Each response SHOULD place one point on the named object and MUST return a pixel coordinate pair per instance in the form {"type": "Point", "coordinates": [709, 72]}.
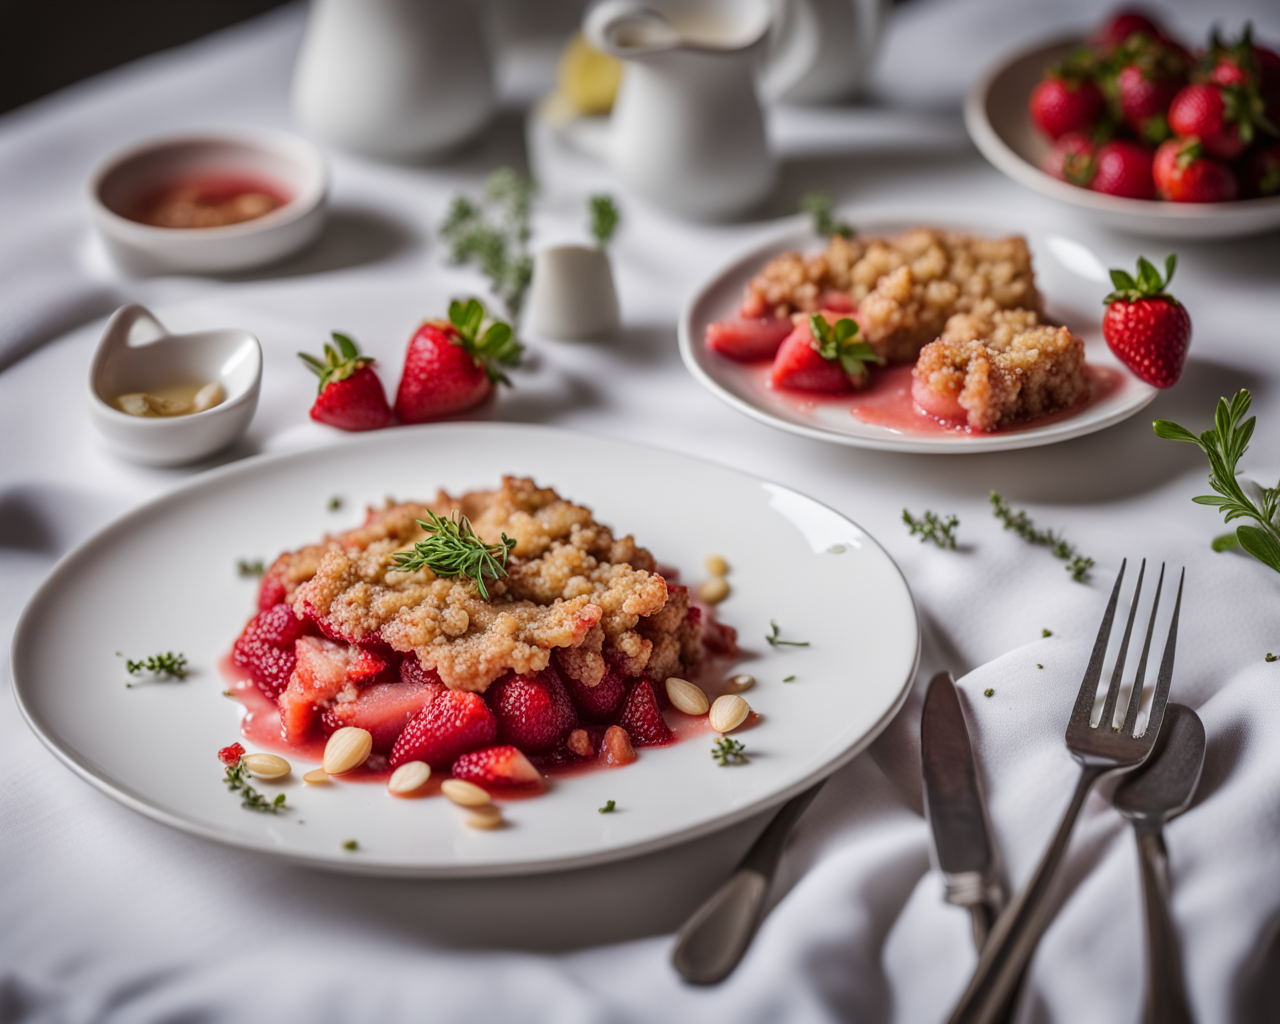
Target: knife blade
{"type": "Point", "coordinates": [953, 802]}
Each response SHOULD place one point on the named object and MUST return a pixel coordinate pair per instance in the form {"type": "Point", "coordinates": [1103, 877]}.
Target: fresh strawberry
{"type": "Point", "coordinates": [533, 710]}
{"type": "Point", "coordinates": [1224, 118]}
{"type": "Point", "coordinates": [748, 340]}
{"type": "Point", "coordinates": [450, 366]}
{"type": "Point", "coordinates": [1245, 65]}
{"type": "Point", "coordinates": [817, 356]}
{"type": "Point", "coordinates": [453, 724]}
{"type": "Point", "coordinates": [498, 768]}
{"type": "Point", "coordinates": [1183, 174]}
{"type": "Point", "coordinates": [1071, 159]}
{"type": "Point", "coordinates": [1146, 327]}
{"type": "Point", "coordinates": [1124, 169]}
{"type": "Point", "coordinates": [1117, 30]}
{"type": "Point", "coordinates": [273, 589]}
{"type": "Point", "coordinates": [615, 748]}
{"type": "Point", "coordinates": [351, 396]}
{"type": "Point", "coordinates": [597, 703]}
{"type": "Point", "coordinates": [266, 648]}
{"type": "Point", "coordinates": [641, 718]}
{"type": "Point", "coordinates": [318, 678]}
{"type": "Point", "coordinates": [231, 755]}
{"type": "Point", "coordinates": [1062, 103]}
{"type": "Point", "coordinates": [1260, 175]}
{"type": "Point", "coordinates": [837, 301]}
{"type": "Point", "coordinates": [384, 709]}
{"type": "Point", "coordinates": [1144, 90]}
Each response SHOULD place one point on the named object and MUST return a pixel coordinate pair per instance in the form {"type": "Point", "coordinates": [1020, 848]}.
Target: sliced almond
{"type": "Point", "coordinates": [464, 793]}
{"type": "Point", "coordinates": [728, 712]}
{"type": "Point", "coordinates": [486, 817]}
{"type": "Point", "coordinates": [716, 565]}
{"type": "Point", "coordinates": [714, 590]}
{"type": "Point", "coordinates": [347, 750]}
{"type": "Point", "coordinates": [315, 776]}
{"type": "Point", "coordinates": [743, 681]}
{"type": "Point", "coordinates": [266, 766]}
{"type": "Point", "coordinates": [686, 696]}
{"type": "Point", "coordinates": [409, 777]}
{"type": "Point", "coordinates": [207, 397]}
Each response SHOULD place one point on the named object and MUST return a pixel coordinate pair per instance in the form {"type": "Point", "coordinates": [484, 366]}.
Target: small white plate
{"type": "Point", "coordinates": [1070, 277]}
{"type": "Point", "coordinates": [164, 578]}
{"type": "Point", "coordinates": [999, 121]}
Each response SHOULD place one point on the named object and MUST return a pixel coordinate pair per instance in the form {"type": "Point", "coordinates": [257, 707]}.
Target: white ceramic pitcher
{"type": "Point", "coordinates": [821, 50]}
{"type": "Point", "coordinates": [687, 131]}
{"type": "Point", "coordinates": [394, 78]}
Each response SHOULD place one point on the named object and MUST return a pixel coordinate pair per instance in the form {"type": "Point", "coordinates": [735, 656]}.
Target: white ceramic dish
{"type": "Point", "coordinates": [1069, 276]}
{"type": "Point", "coordinates": [163, 578]}
{"type": "Point", "coordinates": [137, 354]}
{"type": "Point", "coordinates": [290, 165]}
{"type": "Point", "coordinates": [999, 123]}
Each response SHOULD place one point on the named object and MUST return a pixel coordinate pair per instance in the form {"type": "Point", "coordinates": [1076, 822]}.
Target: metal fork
{"type": "Point", "coordinates": [1099, 749]}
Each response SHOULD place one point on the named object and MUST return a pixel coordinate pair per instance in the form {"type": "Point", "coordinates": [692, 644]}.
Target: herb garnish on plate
{"type": "Point", "coordinates": [1020, 523]}
{"type": "Point", "coordinates": [453, 549]}
{"type": "Point", "coordinates": [932, 526]}
{"type": "Point", "coordinates": [237, 781]}
{"type": "Point", "coordinates": [772, 638]}
{"type": "Point", "coordinates": [165, 665]}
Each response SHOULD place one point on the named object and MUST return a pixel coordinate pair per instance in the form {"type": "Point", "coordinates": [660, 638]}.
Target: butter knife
{"type": "Point", "coordinates": [953, 802]}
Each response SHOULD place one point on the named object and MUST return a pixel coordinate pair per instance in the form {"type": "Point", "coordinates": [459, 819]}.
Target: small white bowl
{"type": "Point", "coordinates": [289, 165]}
{"type": "Point", "coordinates": [572, 294]}
{"type": "Point", "coordinates": [137, 354]}
{"type": "Point", "coordinates": [999, 121]}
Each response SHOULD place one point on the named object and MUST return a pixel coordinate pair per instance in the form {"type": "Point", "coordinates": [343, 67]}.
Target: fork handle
{"type": "Point", "coordinates": [1017, 931]}
{"type": "Point", "coordinates": [1166, 993]}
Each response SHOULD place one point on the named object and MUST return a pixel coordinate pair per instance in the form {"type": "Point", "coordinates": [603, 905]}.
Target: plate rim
{"type": "Point", "coordinates": [82, 767]}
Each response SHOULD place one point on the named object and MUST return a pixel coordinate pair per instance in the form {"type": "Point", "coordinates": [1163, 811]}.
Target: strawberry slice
{"type": "Point", "coordinates": [641, 717]}
{"type": "Point", "coordinates": [533, 711]}
{"type": "Point", "coordinates": [384, 709]}
{"type": "Point", "coordinates": [318, 678]}
{"type": "Point", "coordinates": [266, 648]}
{"type": "Point", "coordinates": [1146, 327]}
{"type": "Point", "coordinates": [455, 723]}
{"type": "Point", "coordinates": [597, 703]}
{"type": "Point", "coordinates": [499, 768]}
{"type": "Point", "coordinates": [832, 360]}
{"type": "Point", "coordinates": [748, 341]}
{"type": "Point", "coordinates": [351, 395]}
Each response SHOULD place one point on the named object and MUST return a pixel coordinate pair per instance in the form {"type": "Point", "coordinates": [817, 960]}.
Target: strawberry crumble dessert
{"type": "Point", "coordinates": [558, 633]}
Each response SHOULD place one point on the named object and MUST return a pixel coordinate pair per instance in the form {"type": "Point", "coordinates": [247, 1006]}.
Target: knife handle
{"type": "Point", "coordinates": [984, 917]}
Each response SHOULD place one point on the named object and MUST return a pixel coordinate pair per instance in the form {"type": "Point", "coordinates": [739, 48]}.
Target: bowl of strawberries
{"type": "Point", "coordinates": [1137, 130]}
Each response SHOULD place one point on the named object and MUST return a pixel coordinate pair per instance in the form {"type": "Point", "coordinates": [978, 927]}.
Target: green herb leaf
{"type": "Point", "coordinates": [604, 219]}
{"type": "Point", "coordinates": [1148, 285]}
{"type": "Point", "coordinates": [837, 344]}
{"type": "Point", "coordinates": [1271, 657]}
{"type": "Point", "coordinates": [727, 751]}
{"type": "Point", "coordinates": [1020, 523]}
{"type": "Point", "coordinates": [988, 692]}
{"type": "Point", "coordinates": [609, 807]}
{"type": "Point", "coordinates": [247, 568]}
{"type": "Point", "coordinates": [334, 504]}
{"type": "Point", "coordinates": [237, 780]}
{"type": "Point", "coordinates": [452, 549]}
{"type": "Point", "coordinates": [167, 665]}
{"type": "Point", "coordinates": [1225, 542]}
{"type": "Point", "coordinates": [494, 233]}
{"type": "Point", "coordinates": [1046, 632]}
{"type": "Point", "coordinates": [350, 845]}
{"type": "Point", "coordinates": [821, 207]}
{"type": "Point", "coordinates": [932, 527]}
{"type": "Point", "coordinates": [772, 638]}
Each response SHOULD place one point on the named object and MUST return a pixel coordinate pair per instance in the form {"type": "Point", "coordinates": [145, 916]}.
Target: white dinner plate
{"type": "Point", "coordinates": [1069, 276]}
{"type": "Point", "coordinates": [997, 115]}
{"type": "Point", "coordinates": [164, 578]}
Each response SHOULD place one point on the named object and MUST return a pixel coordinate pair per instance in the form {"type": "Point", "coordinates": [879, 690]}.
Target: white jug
{"type": "Point", "coordinates": [394, 78]}
{"type": "Point", "coordinates": [821, 50]}
{"type": "Point", "coordinates": [687, 131]}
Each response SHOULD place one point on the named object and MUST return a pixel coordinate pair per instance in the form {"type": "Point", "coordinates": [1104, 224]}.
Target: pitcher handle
{"type": "Point", "coordinates": [627, 28]}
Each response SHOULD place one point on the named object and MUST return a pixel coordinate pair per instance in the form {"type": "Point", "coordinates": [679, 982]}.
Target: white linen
{"type": "Point", "coordinates": [111, 917]}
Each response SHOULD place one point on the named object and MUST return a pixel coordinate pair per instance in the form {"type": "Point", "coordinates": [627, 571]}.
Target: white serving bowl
{"type": "Point", "coordinates": [999, 121]}
{"type": "Point", "coordinates": [290, 165]}
{"type": "Point", "coordinates": [137, 353]}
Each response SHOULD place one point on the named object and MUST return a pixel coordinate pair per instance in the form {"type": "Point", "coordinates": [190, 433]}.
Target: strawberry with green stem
{"type": "Point", "coordinates": [1146, 327]}
{"type": "Point", "coordinates": [351, 395]}
{"type": "Point", "coordinates": [819, 356]}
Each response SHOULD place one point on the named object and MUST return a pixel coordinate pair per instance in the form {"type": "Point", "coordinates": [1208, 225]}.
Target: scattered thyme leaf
{"type": "Point", "coordinates": [604, 219]}
{"type": "Point", "coordinates": [788, 679]}
{"type": "Point", "coordinates": [773, 640]}
{"type": "Point", "coordinates": [1225, 542]}
{"type": "Point", "coordinates": [1020, 523]}
{"type": "Point", "coordinates": [453, 549]}
{"type": "Point", "coordinates": [1224, 445]}
{"type": "Point", "coordinates": [1046, 632]}
{"type": "Point", "coordinates": [1039, 665]}
{"type": "Point", "coordinates": [237, 781]}
{"type": "Point", "coordinates": [821, 207]}
{"type": "Point", "coordinates": [494, 232]}
{"type": "Point", "coordinates": [932, 527]}
{"type": "Point", "coordinates": [609, 807]}
{"type": "Point", "coordinates": [351, 844]}
{"type": "Point", "coordinates": [334, 504]}
{"type": "Point", "coordinates": [247, 568]}
{"type": "Point", "coordinates": [162, 666]}
{"type": "Point", "coordinates": [727, 751]}
{"type": "Point", "coordinates": [1271, 657]}
{"type": "Point", "coordinates": [988, 692]}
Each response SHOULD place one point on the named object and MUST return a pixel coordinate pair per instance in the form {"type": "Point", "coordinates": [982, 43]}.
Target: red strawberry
{"type": "Point", "coordinates": [450, 366]}
{"type": "Point", "coordinates": [597, 703]}
{"type": "Point", "coordinates": [272, 590]}
{"type": "Point", "coordinates": [321, 673]}
{"type": "Point", "coordinates": [384, 709]}
{"type": "Point", "coordinates": [1061, 104]}
{"type": "Point", "coordinates": [819, 357]}
{"type": "Point", "coordinates": [1222, 118]}
{"type": "Point", "coordinates": [453, 724]}
{"type": "Point", "coordinates": [1071, 158]}
{"type": "Point", "coordinates": [499, 768]}
{"type": "Point", "coordinates": [1145, 90]}
{"type": "Point", "coordinates": [1117, 29]}
{"type": "Point", "coordinates": [1124, 169]}
{"type": "Point", "coordinates": [533, 711]}
{"type": "Point", "coordinates": [351, 396]}
{"type": "Point", "coordinates": [266, 648]}
{"type": "Point", "coordinates": [1261, 173]}
{"type": "Point", "coordinates": [641, 718]}
{"type": "Point", "coordinates": [1146, 327]}
{"type": "Point", "coordinates": [748, 340]}
{"type": "Point", "coordinates": [231, 755]}
{"type": "Point", "coordinates": [1183, 175]}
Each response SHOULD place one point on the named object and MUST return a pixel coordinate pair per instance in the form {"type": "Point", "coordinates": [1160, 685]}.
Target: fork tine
{"type": "Point", "coordinates": [1135, 697]}
{"type": "Point", "coordinates": [1163, 681]}
{"type": "Point", "coordinates": [1083, 710]}
{"type": "Point", "coordinates": [1113, 690]}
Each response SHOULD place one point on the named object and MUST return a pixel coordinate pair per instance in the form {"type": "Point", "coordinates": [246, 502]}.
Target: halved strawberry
{"type": "Point", "coordinates": [597, 703]}
{"type": "Point", "coordinates": [350, 396]}
{"type": "Point", "coordinates": [266, 648]}
{"type": "Point", "coordinates": [834, 361]}
{"type": "Point", "coordinates": [641, 718]}
{"type": "Point", "coordinates": [533, 710]}
{"type": "Point", "coordinates": [503, 767]}
{"type": "Point", "coordinates": [384, 709]}
{"type": "Point", "coordinates": [748, 340]}
{"type": "Point", "coordinates": [453, 724]}
{"type": "Point", "coordinates": [321, 673]}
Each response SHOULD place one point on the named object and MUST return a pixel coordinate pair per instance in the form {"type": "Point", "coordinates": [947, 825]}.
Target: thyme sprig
{"type": "Point", "coordinates": [772, 638]}
{"type": "Point", "coordinates": [727, 751]}
{"type": "Point", "coordinates": [821, 207]}
{"type": "Point", "coordinates": [166, 665]}
{"type": "Point", "coordinates": [604, 219]}
{"type": "Point", "coordinates": [247, 568]}
{"type": "Point", "coordinates": [494, 232]}
{"type": "Point", "coordinates": [1020, 523]}
{"type": "Point", "coordinates": [237, 781]}
{"type": "Point", "coordinates": [452, 549]}
{"type": "Point", "coordinates": [1224, 444]}
{"type": "Point", "coordinates": [933, 527]}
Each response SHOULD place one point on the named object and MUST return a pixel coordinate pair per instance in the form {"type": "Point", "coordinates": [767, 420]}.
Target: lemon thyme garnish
{"type": "Point", "coordinates": [246, 568]}
{"type": "Point", "coordinates": [604, 219]}
{"type": "Point", "coordinates": [821, 207]}
{"type": "Point", "coordinates": [250, 799]}
{"type": "Point", "coordinates": [609, 807]}
{"type": "Point", "coordinates": [163, 666]}
{"type": "Point", "coordinates": [933, 527]}
{"type": "Point", "coordinates": [728, 751]}
{"type": "Point", "coordinates": [453, 549]}
{"type": "Point", "coordinates": [1020, 523]}
{"type": "Point", "coordinates": [837, 344]}
{"type": "Point", "coordinates": [773, 640]}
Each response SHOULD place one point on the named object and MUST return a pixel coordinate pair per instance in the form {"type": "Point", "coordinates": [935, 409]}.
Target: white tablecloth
{"type": "Point", "coordinates": [110, 916]}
